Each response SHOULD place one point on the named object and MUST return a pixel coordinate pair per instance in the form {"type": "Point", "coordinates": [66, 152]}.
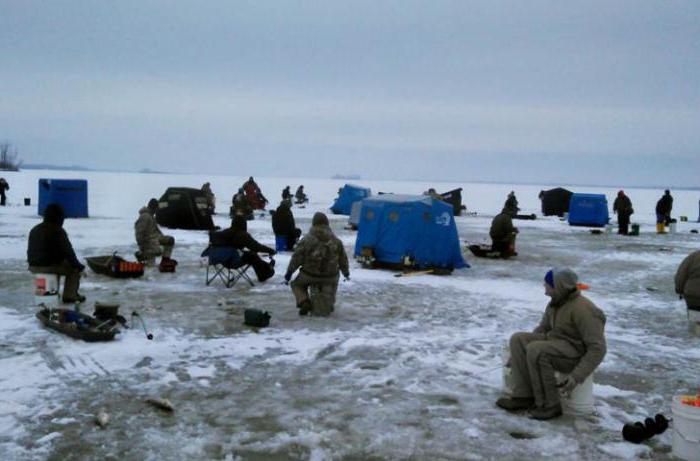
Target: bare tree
{"type": "Point", "coordinates": [8, 157]}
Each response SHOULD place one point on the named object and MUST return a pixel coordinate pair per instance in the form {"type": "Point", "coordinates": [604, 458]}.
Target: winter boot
{"type": "Point", "coordinates": [305, 307]}
{"type": "Point", "coordinates": [544, 413]}
{"type": "Point", "coordinates": [515, 403]}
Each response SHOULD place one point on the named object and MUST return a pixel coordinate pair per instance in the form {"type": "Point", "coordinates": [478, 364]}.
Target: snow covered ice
{"type": "Point", "coordinates": [406, 368]}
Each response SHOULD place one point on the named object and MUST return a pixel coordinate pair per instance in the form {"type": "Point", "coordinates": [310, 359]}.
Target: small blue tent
{"type": "Point", "coordinates": [396, 226]}
{"type": "Point", "coordinates": [348, 195]}
{"type": "Point", "coordinates": [588, 210]}
{"type": "Point", "coordinates": [71, 194]}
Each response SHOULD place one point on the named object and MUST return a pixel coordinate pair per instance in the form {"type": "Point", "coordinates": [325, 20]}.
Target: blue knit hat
{"type": "Point", "coordinates": [549, 278]}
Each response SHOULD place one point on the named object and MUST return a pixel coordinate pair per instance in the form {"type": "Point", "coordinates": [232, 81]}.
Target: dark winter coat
{"type": "Point", "coordinates": [4, 185]}
{"type": "Point", "coordinates": [283, 221]}
{"type": "Point", "coordinates": [237, 236]}
{"type": "Point", "coordinates": [664, 205]}
{"type": "Point", "coordinates": [502, 226]}
{"type": "Point", "coordinates": [49, 246]}
{"type": "Point", "coordinates": [623, 206]}
{"type": "Point", "coordinates": [320, 254]}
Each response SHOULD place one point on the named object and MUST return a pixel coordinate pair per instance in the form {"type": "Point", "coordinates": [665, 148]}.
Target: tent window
{"type": "Point", "coordinates": [426, 216]}
{"type": "Point", "coordinates": [393, 216]}
{"type": "Point", "coordinates": [370, 214]}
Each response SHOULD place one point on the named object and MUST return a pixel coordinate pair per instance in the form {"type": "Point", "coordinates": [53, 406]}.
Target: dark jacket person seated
{"type": "Point", "coordinates": [50, 252]}
{"type": "Point", "coordinates": [283, 224]}
{"type": "Point", "coordinates": [237, 236]}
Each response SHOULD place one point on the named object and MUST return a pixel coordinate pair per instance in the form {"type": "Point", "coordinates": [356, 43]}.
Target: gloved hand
{"type": "Point", "coordinates": [567, 385]}
{"type": "Point", "coordinates": [346, 278]}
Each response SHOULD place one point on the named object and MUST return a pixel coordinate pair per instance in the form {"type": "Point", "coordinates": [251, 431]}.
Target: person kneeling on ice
{"type": "Point", "coordinates": [687, 280]}
{"type": "Point", "coordinates": [320, 257]}
{"type": "Point", "coordinates": [150, 239]}
{"type": "Point", "coordinates": [570, 339]}
{"type": "Point", "coordinates": [503, 233]}
{"type": "Point", "coordinates": [237, 236]}
{"type": "Point", "coordinates": [50, 252]}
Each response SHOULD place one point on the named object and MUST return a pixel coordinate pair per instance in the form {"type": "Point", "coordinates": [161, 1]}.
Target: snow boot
{"type": "Point", "coordinates": [305, 307]}
{"type": "Point", "coordinates": [167, 265]}
{"type": "Point", "coordinates": [545, 413]}
{"type": "Point", "coordinates": [515, 403]}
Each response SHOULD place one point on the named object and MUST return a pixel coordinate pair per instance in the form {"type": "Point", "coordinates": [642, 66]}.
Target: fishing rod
{"type": "Point", "coordinates": [143, 324]}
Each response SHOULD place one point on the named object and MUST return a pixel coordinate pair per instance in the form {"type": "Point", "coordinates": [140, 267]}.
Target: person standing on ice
{"type": "Point", "coordinates": [150, 239]}
{"type": "Point", "coordinates": [503, 233]}
{"type": "Point", "coordinates": [320, 256]}
{"type": "Point", "coordinates": [663, 208]}
{"type": "Point", "coordinates": [570, 339]}
{"type": "Point", "coordinates": [687, 281]}
{"type": "Point", "coordinates": [623, 208]}
{"type": "Point", "coordinates": [4, 186]}
{"type": "Point", "coordinates": [50, 252]}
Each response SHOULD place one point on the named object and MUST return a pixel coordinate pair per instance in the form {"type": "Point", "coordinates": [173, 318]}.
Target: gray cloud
{"type": "Point", "coordinates": [295, 87]}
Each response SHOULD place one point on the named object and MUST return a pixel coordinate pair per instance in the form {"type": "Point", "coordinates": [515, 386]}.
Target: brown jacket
{"type": "Point", "coordinates": [575, 319]}
{"type": "Point", "coordinates": [502, 226]}
{"type": "Point", "coordinates": [688, 279]}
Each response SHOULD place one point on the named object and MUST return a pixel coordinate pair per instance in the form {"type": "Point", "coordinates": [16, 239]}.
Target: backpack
{"type": "Point", "coordinates": [322, 259]}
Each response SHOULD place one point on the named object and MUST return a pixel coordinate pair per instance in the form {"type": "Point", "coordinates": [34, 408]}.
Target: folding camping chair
{"type": "Point", "coordinates": [225, 264]}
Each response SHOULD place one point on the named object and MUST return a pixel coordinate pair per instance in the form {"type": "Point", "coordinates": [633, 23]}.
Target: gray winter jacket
{"type": "Point", "coordinates": [688, 279]}
{"type": "Point", "coordinates": [572, 317]}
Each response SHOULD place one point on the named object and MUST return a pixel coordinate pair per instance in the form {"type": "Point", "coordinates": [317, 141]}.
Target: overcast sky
{"type": "Point", "coordinates": [554, 91]}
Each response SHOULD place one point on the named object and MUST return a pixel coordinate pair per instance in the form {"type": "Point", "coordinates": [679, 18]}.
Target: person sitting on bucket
{"type": "Point", "coordinates": [570, 339]}
{"type": "Point", "coordinates": [150, 239]}
{"type": "Point", "coordinates": [503, 233]}
{"type": "Point", "coordinates": [511, 203]}
{"type": "Point", "coordinates": [50, 252]}
{"type": "Point", "coordinates": [687, 280]}
{"type": "Point", "coordinates": [320, 256]}
{"type": "Point", "coordinates": [283, 224]}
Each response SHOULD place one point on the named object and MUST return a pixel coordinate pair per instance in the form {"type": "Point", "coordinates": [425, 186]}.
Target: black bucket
{"type": "Point", "coordinates": [27, 201]}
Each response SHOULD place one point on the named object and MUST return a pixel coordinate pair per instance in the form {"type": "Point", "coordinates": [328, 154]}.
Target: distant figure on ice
{"type": "Point", "coordinates": [432, 193]}
{"type": "Point", "coordinates": [503, 233]}
{"type": "Point", "coordinates": [237, 236]}
{"type": "Point", "coordinates": [283, 224]}
{"type": "Point", "coordinates": [254, 194]}
{"type": "Point", "coordinates": [320, 256]}
{"type": "Point", "coordinates": [570, 339]}
{"type": "Point", "coordinates": [4, 186]}
{"type": "Point", "coordinates": [50, 252]}
{"type": "Point", "coordinates": [663, 209]}
{"type": "Point", "coordinates": [688, 281]}
{"type": "Point", "coordinates": [211, 199]}
{"type": "Point", "coordinates": [241, 205]}
{"type": "Point", "coordinates": [286, 194]}
{"type": "Point", "coordinates": [623, 208]}
{"type": "Point", "coordinates": [511, 204]}
{"type": "Point", "coordinates": [300, 196]}
{"type": "Point", "coordinates": [150, 239]}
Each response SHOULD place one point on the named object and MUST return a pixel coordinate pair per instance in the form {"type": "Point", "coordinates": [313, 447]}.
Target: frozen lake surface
{"type": "Point", "coordinates": [406, 368]}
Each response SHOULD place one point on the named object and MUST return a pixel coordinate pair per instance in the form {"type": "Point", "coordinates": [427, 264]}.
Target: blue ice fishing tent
{"type": "Point", "coordinates": [589, 210]}
{"type": "Point", "coordinates": [419, 227]}
{"type": "Point", "coordinates": [348, 195]}
{"type": "Point", "coordinates": [71, 194]}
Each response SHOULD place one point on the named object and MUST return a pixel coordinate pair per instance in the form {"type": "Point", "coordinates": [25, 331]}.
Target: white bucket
{"type": "Point", "coordinates": [608, 228]}
{"type": "Point", "coordinates": [686, 430]}
{"type": "Point", "coordinates": [672, 227]}
{"type": "Point", "coordinates": [581, 400]}
{"type": "Point", "coordinates": [47, 290]}
{"type": "Point", "coordinates": [507, 371]}
{"type": "Point", "coordinates": [694, 322]}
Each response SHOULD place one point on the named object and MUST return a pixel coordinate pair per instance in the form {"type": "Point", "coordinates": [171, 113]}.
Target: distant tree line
{"type": "Point", "coordinates": [8, 157]}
